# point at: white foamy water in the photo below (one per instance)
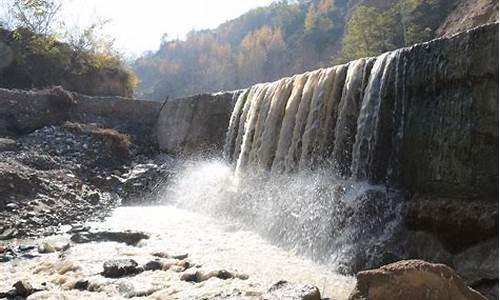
(209, 242)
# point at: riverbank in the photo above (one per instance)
(70, 174)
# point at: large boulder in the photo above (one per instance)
(412, 280)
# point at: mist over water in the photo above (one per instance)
(314, 213)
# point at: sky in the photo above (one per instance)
(138, 25)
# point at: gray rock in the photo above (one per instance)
(11, 206)
(127, 237)
(457, 223)
(153, 265)
(23, 288)
(194, 275)
(81, 285)
(8, 233)
(478, 263)
(46, 247)
(117, 268)
(179, 256)
(291, 291)
(7, 145)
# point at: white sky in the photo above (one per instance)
(138, 25)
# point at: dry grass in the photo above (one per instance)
(117, 142)
(59, 98)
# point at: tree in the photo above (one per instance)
(37, 16)
(369, 32)
(420, 18)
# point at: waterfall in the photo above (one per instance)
(340, 116)
(307, 160)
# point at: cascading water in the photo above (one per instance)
(306, 164)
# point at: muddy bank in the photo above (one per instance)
(70, 174)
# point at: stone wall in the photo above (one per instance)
(25, 111)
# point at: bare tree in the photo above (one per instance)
(38, 16)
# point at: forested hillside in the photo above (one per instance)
(284, 38)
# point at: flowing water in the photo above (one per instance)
(212, 243)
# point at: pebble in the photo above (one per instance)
(23, 288)
(11, 206)
(81, 285)
(153, 265)
(117, 268)
(8, 234)
(46, 247)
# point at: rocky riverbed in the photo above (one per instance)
(165, 253)
(69, 174)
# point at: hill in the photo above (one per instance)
(29, 60)
(289, 37)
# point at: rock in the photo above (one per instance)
(153, 265)
(179, 256)
(190, 276)
(78, 228)
(161, 254)
(457, 223)
(478, 265)
(291, 291)
(425, 246)
(62, 247)
(194, 275)
(7, 145)
(412, 280)
(23, 288)
(117, 268)
(468, 14)
(127, 237)
(46, 247)
(81, 285)
(11, 206)
(6, 258)
(94, 198)
(8, 234)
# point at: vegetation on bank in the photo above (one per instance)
(287, 37)
(33, 56)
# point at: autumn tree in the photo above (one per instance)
(260, 53)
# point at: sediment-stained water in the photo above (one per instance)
(210, 243)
